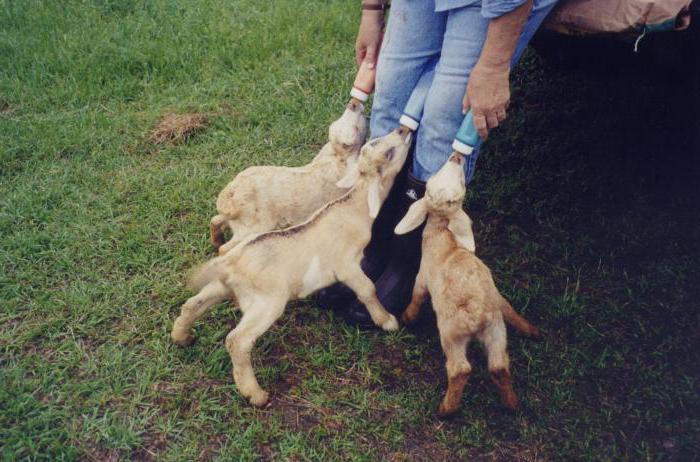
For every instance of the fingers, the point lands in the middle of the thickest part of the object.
(371, 56)
(480, 124)
(501, 115)
(484, 120)
(491, 120)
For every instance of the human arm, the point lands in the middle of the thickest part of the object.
(488, 90)
(371, 33)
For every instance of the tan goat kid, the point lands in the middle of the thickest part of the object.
(265, 198)
(263, 273)
(465, 299)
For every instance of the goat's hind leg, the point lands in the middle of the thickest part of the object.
(454, 345)
(194, 308)
(240, 234)
(495, 341)
(257, 318)
(233, 242)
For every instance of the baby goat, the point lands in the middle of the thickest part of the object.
(266, 271)
(464, 296)
(265, 198)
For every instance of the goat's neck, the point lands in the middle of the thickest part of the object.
(438, 240)
(327, 152)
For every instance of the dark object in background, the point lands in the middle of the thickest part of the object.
(672, 47)
(669, 59)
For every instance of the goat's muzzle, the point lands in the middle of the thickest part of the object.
(457, 158)
(353, 105)
(405, 133)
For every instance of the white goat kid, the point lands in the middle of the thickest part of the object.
(466, 301)
(266, 271)
(265, 198)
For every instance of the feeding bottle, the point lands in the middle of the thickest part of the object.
(467, 137)
(364, 82)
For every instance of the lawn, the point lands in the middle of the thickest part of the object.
(586, 207)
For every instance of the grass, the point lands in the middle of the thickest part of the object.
(585, 203)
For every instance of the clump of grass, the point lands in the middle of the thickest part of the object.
(178, 128)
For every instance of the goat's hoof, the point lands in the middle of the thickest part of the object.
(184, 340)
(391, 323)
(510, 402)
(259, 399)
(512, 406)
(445, 412)
(407, 318)
(536, 334)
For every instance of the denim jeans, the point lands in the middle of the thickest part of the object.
(418, 40)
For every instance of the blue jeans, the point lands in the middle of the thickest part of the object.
(418, 40)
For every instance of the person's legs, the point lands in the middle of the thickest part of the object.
(465, 33)
(413, 38)
(464, 37)
(411, 48)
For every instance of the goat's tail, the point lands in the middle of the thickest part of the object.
(520, 324)
(216, 230)
(207, 272)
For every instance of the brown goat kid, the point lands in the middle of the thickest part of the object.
(265, 198)
(466, 301)
(266, 271)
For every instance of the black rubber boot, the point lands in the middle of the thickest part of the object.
(377, 253)
(395, 284)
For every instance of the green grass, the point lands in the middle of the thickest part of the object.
(585, 203)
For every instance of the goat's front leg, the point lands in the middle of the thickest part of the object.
(194, 308)
(258, 317)
(366, 293)
(420, 293)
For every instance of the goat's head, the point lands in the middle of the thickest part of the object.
(379, 162)
(444, 195)
(349, 132)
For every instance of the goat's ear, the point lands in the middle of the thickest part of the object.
(374, 199)
(352, 173)
(414, 217)
(461, 226)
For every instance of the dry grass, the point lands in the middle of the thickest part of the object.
(178, 128)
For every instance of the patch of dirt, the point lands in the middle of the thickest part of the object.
(101, 454)
(153, 446)
(178, 128)
(4, 107)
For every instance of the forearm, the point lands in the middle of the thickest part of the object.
(373, 10)
(502, 37)
(369, 37)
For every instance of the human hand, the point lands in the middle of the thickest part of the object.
(488, 96)
(369, 37)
